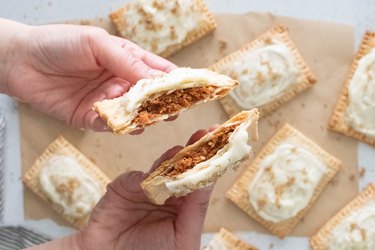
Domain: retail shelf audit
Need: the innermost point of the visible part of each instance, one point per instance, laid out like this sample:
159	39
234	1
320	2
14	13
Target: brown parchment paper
326	47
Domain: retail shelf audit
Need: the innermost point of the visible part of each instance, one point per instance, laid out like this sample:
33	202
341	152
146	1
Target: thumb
193	213
121	60
128	186
123	193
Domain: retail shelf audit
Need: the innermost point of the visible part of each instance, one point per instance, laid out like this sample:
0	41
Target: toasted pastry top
235	150
217	243
357	231
225	240
361	96
120	112
67	184
67	180
202	163
155	24
285	181
264	73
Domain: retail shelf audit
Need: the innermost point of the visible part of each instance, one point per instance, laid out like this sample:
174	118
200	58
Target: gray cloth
13	237
19	238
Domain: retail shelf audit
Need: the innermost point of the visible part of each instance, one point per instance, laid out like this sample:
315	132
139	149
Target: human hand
125	219
62	70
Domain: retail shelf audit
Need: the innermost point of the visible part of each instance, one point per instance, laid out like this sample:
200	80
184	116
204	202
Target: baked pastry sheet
270	71
360	80
226	240
290	147
163	26
60	147
359	211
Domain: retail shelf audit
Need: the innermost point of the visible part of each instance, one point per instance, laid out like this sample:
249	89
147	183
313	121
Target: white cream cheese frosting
361	92
155	25
285	182
122	110
236	150
264	74
217	243
357	231
67	184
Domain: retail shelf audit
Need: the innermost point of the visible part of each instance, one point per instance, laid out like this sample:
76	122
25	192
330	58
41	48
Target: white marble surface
359	13
13	189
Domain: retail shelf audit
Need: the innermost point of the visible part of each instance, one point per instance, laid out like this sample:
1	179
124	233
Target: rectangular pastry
225	240
202	163
270	71
284	180
152	100
353	227
163	26
67	180
354	114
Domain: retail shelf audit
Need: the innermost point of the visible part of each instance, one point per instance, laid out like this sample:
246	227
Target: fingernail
213	127
100	125
137	132
152	73
196	136
171	118
130	181
170	68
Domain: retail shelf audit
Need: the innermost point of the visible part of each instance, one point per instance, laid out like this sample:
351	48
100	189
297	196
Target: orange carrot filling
201	153
170	103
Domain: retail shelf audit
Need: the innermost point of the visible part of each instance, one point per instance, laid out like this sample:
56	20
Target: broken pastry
270	71
152	100
354	114
202	163
225	240
353	227
67	180
163	26
284	180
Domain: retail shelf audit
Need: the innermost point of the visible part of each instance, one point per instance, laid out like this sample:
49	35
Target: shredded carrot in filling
201	153
172	102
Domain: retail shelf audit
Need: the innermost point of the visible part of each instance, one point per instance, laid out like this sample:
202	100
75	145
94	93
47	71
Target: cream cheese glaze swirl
263	74
65	182
155	24
361	92
285	182
356	231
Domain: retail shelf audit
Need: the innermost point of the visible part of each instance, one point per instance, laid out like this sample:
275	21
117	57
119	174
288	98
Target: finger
137	132
171	118
192	214
121	61
196	136
174	201
157	62
213	127
99	125
166	156
130	181
124	193
84	116
128	186
133	47
152	60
